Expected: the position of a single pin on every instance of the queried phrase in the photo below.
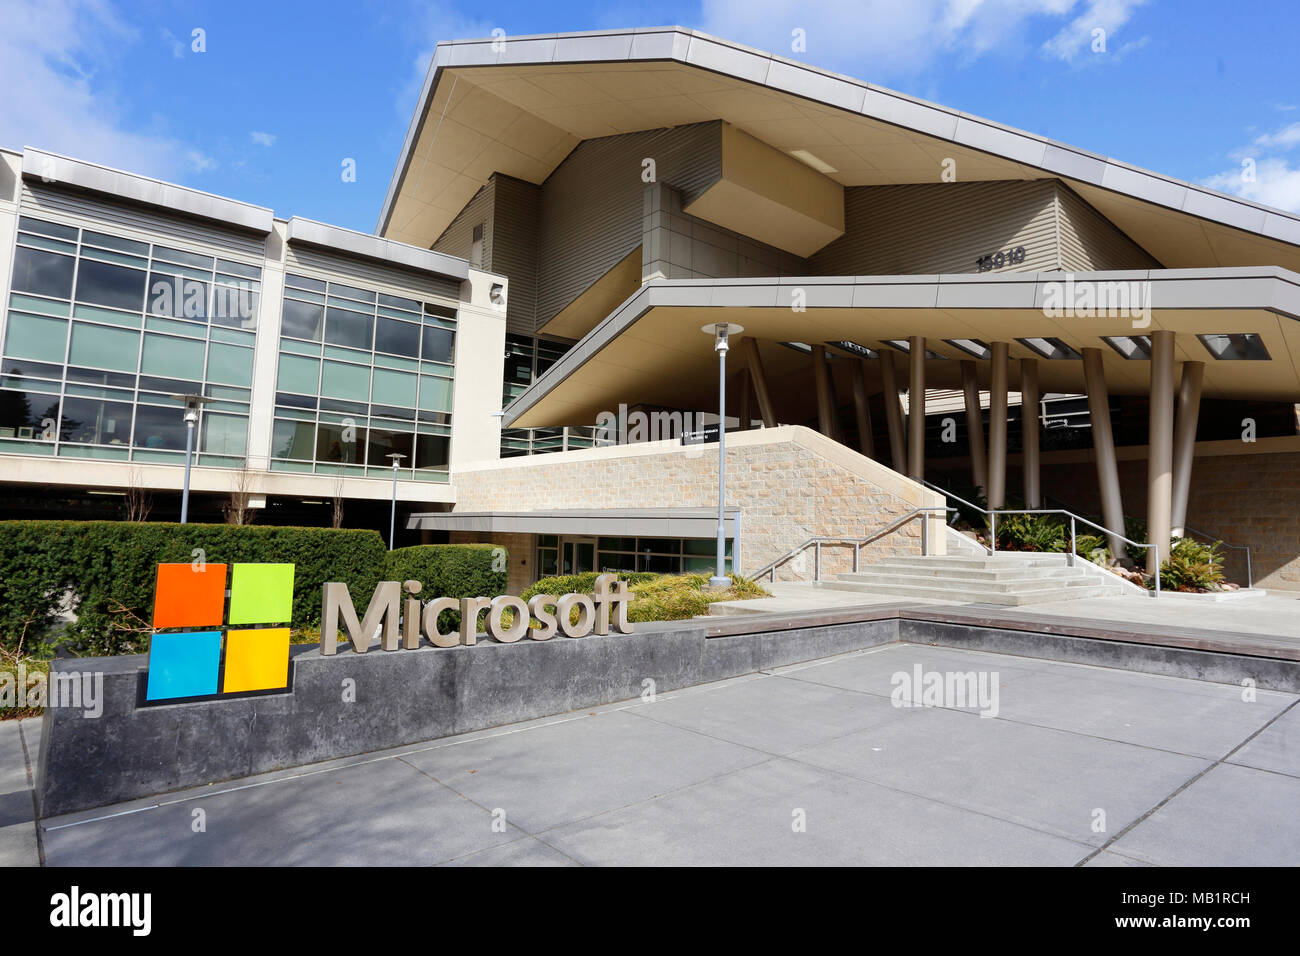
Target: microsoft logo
(186, 656)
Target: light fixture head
(721, 332)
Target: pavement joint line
(31, 788)
(1191, 780)
(525, 837)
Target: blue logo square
(183, 665)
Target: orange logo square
(190, 595)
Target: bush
(108, 570)
(1192, 566)
(450, 570)
(1044, 533)
(657, 597)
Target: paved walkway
(809, 764)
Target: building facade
(928, 300)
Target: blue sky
(284, 93)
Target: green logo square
(261, 594)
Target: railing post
(993, 531)
(817, 561)
(1074, 547)
(856, 548)
(925, 534)
(1250, 574)
(1157, 572)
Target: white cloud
(877, 39)
(1092, 30)
(54, 57)
(262, 139)
(176, 43)
(1264, 172)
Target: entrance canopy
(1243, 323)
(595, 522)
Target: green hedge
(451, 570)
(110, 565)
(583, 583)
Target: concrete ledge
(402, 697)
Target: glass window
(24, 414)
(397, 302)
(435, 393)
(101, 347)
(295, 440)
(341, 380)
(43, 273)
(351, 329)
(382, 443)
(234, 303)
(224, 434)
(230, 364)
(100, 283)
(342, 443)
(439, 345)
(115, 242)
(302, 320)
(172, 357)
(36, 337)
(432, 451)
(399, 338)
(298, 374)
(351, 292)
(177, 297)
(184, 258)
(393, 388)
(302, 282)
(92, 421)
(157, 427)
(48, 228)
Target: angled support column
(1189, 409)
(1160, 445)
(1103, 445)
(755, 366)
(1029, 396)
(970, 388)
(997, 480)
(745, 412)
(862, 410)
(893, 411)
(916, 407)
(825, 401)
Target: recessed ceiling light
(976, 347)
(809, 159)
(1239, 346)
(1050, 348)
(1130, 346)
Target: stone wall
(790, 483)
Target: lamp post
(720, 332)
(392, 519)
(191, 418)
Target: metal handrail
(818, 540)
(1250, 573)
(993, 526)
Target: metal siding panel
(37, 200)
(591, 205)
(371, 275)
(941, 228)
(1092, 243)
(514, 249)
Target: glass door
(577, 555)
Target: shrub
(657, 597)
(1192, 566)
(107, 569)
(1045, 533)
(450, 570)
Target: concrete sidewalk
(19, 744)
(808, 764)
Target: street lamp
(397, 457)
(192, 403)
(720, 332)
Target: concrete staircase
(1007, 579)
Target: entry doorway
(577, 555)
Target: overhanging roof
(519, 105)
(651, 349)
(609, 522)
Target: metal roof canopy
(648, 353)
(591, 522)
(519, 105)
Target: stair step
(1001, 585)
(1013, 560)
(1010, 573)
(977, 595)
